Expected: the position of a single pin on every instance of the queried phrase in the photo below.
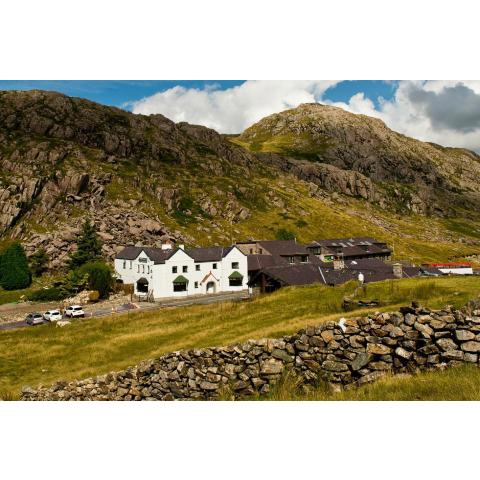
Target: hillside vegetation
(316, 171)
(44, 354)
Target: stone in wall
(351, 353)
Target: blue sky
(445, 112)
(120, 92)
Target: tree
(14, 271)
(38, 262)
(100, 277)
(89, 247)
(284, 234)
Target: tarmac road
(126, 307)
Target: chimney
(167, 245)
(397, 270)
(338, 263)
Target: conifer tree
(89, 247)
(38, 262)
(14, 271)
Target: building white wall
(161, 276)
(457, 270)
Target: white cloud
(443, 112)
(234, 109)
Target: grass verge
(44, 354)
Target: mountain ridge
(145, 179)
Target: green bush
(38, 262)
(100, 277)
(284, 234)
(14, 271)
(47, 295)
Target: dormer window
(304, 258)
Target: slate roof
(373, 270)
(283, 247)
(158, 255)
(352, 247)
(294, 274)
(208, 254)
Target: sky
(444, 112)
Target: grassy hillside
(459, 383)
(45, 354)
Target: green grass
(455, 383)
(44, 354)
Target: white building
(454, 268)
(174, 272)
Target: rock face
(391, 343)
(65, 159)
(145, 179)
(363, 148)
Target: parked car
(52, 315)
(74, 311)
(34, 318)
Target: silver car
(34, 318)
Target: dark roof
(283, 247)
(346, 242)
(293, 274)
(208, 254)
(257, 262)
(373, 270)
(157, 255)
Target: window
(291, 259)
(235, 265)
(174, 269)
(138, 268)
(260, 250)
(148, 268)
(143, 268)
(251, 251)
(185, 269)
(196, 284)
(304, 258)
(214, 266)
(197, 267)
(124, 264)
(179, 287)
(130, 264)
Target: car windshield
(77, 308)
(36, 315)
(54, 312)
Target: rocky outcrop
(347, 353)
(330, 135)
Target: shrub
(89, 247)
(39, 262)
(14, 271)
(47, 295)
(99, 276)
(93, 296)
(284, 234)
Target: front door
(211, 287)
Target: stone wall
(348, 353)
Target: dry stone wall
(349, 353)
